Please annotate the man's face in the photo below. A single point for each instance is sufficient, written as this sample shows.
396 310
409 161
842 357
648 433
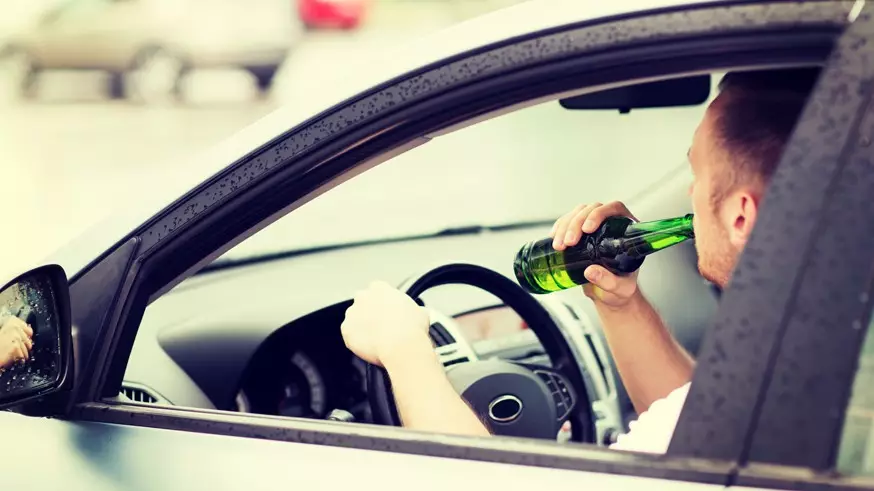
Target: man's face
716 254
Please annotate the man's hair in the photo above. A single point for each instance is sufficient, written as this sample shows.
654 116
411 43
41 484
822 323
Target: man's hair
759 110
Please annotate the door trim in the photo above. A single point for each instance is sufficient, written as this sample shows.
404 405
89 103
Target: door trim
765 334
832 305
506 450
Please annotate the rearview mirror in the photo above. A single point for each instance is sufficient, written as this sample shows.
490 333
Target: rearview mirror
688 91
35 334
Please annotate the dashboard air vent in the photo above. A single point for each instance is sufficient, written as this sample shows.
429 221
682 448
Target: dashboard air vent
138 395
456 361
440 336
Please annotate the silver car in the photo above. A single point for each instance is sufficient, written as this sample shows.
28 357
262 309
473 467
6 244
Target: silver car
148 45
167 357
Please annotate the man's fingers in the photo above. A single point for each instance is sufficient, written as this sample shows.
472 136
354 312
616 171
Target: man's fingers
562 220
28 343
562 227
597 293
598 215
24 332
18 353
360 295
346 313
559 229
602 278
23 342
607 287
569 229
575 225
15 322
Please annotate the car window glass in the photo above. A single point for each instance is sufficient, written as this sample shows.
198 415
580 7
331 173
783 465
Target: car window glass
856 450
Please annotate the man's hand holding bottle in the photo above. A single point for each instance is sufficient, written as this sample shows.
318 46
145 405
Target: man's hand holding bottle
605 288
650 361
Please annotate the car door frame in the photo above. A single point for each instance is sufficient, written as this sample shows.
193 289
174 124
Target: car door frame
795 440
110 297
795 296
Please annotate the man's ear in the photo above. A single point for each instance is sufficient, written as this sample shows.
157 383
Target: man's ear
739 213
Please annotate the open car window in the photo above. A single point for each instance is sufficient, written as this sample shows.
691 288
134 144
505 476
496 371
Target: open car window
491 186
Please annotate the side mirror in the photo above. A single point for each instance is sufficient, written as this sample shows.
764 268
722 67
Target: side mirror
35 335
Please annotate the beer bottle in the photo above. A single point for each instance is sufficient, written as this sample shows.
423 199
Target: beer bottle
620 245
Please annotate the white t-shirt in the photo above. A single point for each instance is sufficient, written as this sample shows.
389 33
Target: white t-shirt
653 429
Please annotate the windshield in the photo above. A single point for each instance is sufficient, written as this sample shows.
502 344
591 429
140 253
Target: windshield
530 165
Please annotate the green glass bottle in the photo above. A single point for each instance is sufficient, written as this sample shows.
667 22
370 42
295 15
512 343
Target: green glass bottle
619 244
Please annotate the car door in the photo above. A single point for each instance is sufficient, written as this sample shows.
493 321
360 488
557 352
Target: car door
95 442
814 426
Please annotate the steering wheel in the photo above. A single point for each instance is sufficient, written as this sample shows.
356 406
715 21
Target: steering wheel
513 399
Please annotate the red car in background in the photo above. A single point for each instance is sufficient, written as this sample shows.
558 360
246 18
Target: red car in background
343 14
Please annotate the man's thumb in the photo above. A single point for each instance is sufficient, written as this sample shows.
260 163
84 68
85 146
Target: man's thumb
601 277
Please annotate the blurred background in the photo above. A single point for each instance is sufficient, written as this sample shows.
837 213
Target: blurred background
104 101
98 98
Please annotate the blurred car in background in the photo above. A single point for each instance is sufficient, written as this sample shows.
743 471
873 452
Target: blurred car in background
147 46
18 16
343 14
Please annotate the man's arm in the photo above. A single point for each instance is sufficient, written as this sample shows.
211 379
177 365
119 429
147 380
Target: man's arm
386 327
426 400
651 363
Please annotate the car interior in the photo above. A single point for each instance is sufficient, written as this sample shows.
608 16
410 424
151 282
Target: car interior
258 330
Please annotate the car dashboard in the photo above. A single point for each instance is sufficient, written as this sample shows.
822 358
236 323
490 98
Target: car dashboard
303 370
247 339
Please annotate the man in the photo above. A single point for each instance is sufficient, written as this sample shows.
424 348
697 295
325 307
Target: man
734 153
16 340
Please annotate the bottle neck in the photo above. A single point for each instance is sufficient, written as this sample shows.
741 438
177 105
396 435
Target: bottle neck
644 238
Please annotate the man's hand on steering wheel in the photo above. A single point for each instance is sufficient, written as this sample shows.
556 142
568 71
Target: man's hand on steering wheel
384 323
415 389
385 327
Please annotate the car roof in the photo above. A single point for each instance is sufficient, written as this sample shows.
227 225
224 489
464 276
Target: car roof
510 22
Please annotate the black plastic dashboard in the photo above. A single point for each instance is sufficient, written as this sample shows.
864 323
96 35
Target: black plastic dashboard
304 370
